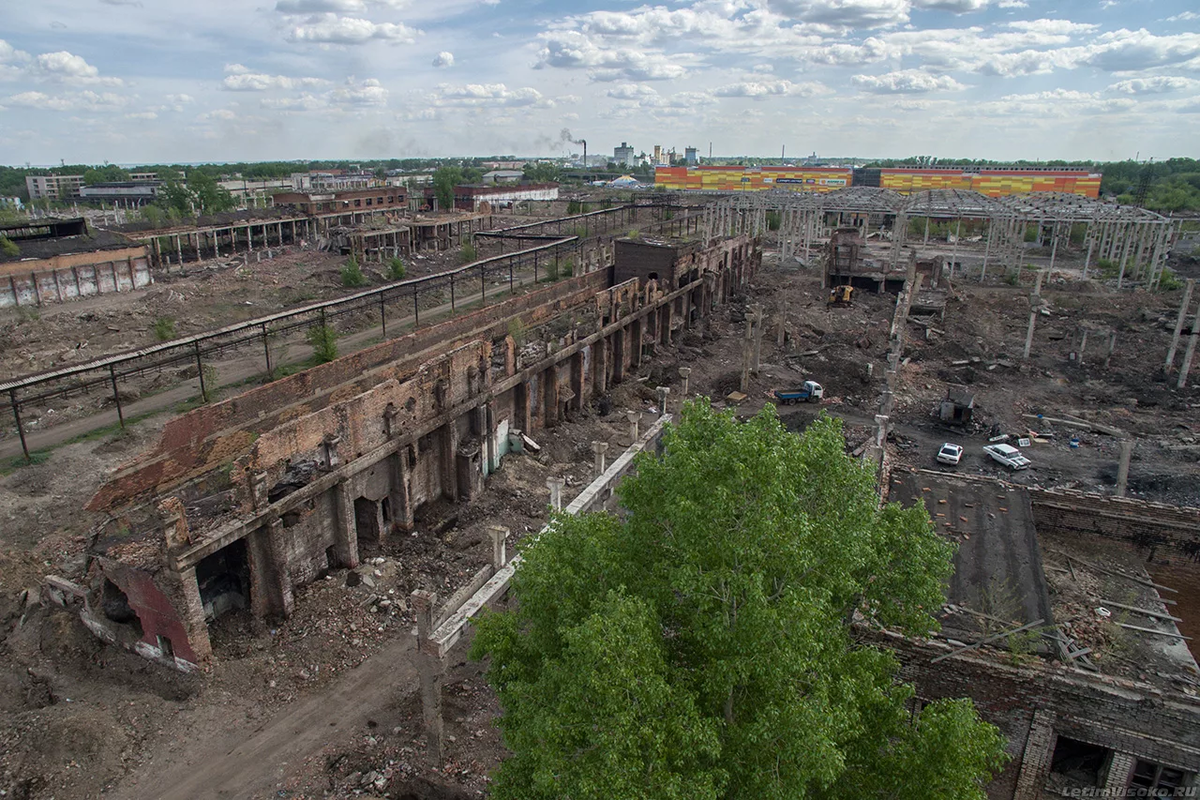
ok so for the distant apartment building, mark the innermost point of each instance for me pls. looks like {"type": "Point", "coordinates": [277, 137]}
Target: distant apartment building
{"type": "Point", "coordinates": [378, 198]}
{"type": "Point", "coordinates": [624, 155]}
{"type": "Point", "coordinates": [70, 187]}
{"type": "Point", "coordinates": [332, 180]}
{"type": "Point", "coordinates": [124, 193]}
{"type": "Point", "coordinates": [53, 187]}
{"type": "Point", "coordinates": [691, 156]}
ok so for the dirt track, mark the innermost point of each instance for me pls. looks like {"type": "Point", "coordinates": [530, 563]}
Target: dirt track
{"type": "Point", "coordinates": [252, 761]}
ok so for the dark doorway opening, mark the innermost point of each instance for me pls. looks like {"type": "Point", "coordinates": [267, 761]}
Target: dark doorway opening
{"type": "Point", "coordinates": [224, 580]}
{"type": "Point", "coordinates": [115, 605]}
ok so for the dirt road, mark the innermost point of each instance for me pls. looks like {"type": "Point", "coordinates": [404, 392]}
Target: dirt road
{"type": "Point", "coordinates": [250, 762]}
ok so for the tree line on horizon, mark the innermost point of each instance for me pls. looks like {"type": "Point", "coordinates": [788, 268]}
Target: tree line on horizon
{"type": "Point", "coordinates": [1169, 186]}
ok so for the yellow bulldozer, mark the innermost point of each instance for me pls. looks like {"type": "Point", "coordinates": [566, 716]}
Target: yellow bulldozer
{"type": "Point", "coordinates": [841, 295]}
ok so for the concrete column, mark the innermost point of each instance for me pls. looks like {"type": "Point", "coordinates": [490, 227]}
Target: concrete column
{"type": "Point", "coordinates": [499, 535]}
{"type": "Point", "coordinates": [431, 669]}
{"type": "Point", "coordinates": [757, 317]}
{"type": "Point", "coordinates": [600, 449]}
{"type": "Point", "coordinates": [664, 393]}
{"type": "Point", "coordinates": [399, 499]}
{"type": "Point", "coordinates": [270, 581]}
{"type": "Point", "coordinates": [550, 404]}
{"type": "Point", "coordinates": [1082, 347]}
{"type": "Point", "coordinates": [600, 354]}
{"type": "Point", "coordinates": [1112, 345]}
{"type": "Point", "coordinates": [193, 618]}
{"type": "Point", "coordinates": [1123, 467]}
{"type": "Point", "coordinates": [1183, 309]}
{"type": "Point", "coordinates": [1186, 366]}
{"type": "Point", "coordinates": [555, 485]}
{"type": "Point", "coordinates": [634, 417]}
{"type": "Point", "coordinates": [345, 546]}
{"type": "Point", "coordinates": [1034, 306]}
{"type": "Point", "coordinates": [684, 373]}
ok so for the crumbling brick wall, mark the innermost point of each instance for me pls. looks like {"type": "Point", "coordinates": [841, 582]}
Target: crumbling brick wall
{"type": "Point", "coordinates": [1139, 522]}
{"type": "Point", "coordinates": [1120, 715]}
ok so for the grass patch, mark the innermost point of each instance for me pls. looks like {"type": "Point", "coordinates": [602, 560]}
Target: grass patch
{"type": "Point", "coordinates": [164, 329]}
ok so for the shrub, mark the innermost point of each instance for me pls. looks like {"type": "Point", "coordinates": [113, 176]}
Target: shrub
{"type": "Point", "coordinates": [469, 253]}
{"type": "Point", "coordinates": [516, 329]}
{"type": "Point", "coordinates": [164, 329]}
{"type": "Point", "coordinates": [352, 274]}
{"type": "Point", "coordinates": [568, 269]}
{"type": "Point", "coordinates": [573, 207]}
{"type": "Point", "coordinates": [396, 269]}
{"type": "Point", "coordinates": [774, 220]}
{"type": "Point", "coordinates": [9, 248]}
{"type": "Point", "coordinates": [324, 343]}
{"type": "Point", "coordinates": [1169, 281]}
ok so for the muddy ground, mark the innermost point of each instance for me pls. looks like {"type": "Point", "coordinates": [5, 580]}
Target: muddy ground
{"type": "Point", "coordinates": [81, 719]}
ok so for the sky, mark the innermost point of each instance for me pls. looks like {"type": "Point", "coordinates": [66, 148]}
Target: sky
{"type": "Point", "coordinates": [151, 81]}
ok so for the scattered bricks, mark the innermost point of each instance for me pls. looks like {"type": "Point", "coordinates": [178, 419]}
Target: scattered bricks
{"type": "Point", "coordinates": [962, 519]}
{"type": "Point", "coordinates": [941, 502]}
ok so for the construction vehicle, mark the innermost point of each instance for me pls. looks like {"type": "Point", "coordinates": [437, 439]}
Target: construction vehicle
{"type": "Point", "coordinates": [841, 295]}
{"type": "Point", "coordinates": [811, 393]}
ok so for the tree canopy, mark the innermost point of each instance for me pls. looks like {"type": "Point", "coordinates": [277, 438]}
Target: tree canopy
{"type": "Point", "coordinates": [541, 172]}
{"type": "Point", "coordinates": [700, 646]}
{"type": "Point", "coordinates": [109, 173]}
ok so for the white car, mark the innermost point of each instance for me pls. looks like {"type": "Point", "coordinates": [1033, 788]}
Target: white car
{"type": "Point", "coordinates": [1007, 455]}
{"type": "Point", "coordinates": [950, 454]}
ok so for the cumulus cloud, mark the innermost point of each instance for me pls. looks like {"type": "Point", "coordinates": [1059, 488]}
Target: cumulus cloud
{"type": "Point", "coordinates": [1126, 51]}
{"type": "Point", "coordinates": [760, 90]}
{"type": "Point", "coordinates": [241, 79]}
{"type": "Point", "coordinates": [906, 81]}
{"type": "Point", "coordinates": [305, 102]}
{"type": "Point", "coordinates": [444, 59]}
{"type": "Point", "coordinates": [77, 101]}
{"type": "Point", "coordinates": [319, 6]}
{"type": "Point", "coordinates": [12, 61]}
{"type": "Point", "coordinates": [65, 67]}
{"type": "Point", "coordinates": [474, 95]}
{"type": "Point", "coordinates": [332, 29]}
{"type": "Point", "coordinates": [1156, 85]}
{"type": "Point", "coordinates": [1052, 27]}
{"type": "Point", "coordinates": [366, 93]}
{"type": "Point", "coordinates": [571, 49]}
{"type": "Point", "coordinates": [845, 13]}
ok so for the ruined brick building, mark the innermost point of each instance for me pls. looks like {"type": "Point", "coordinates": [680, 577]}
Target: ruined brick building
{"type": "Point", "coordinates": [243, 500]}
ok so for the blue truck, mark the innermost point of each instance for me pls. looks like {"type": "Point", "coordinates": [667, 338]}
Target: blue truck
{"type": "Point", "coordinates": [811, 393]}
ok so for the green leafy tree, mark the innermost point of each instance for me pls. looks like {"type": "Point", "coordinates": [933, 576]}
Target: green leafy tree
{"type": "Point", "coordinates": [352, 275]}
{"type": "Point", "coordinates": [175, 197]}
{"type": "Point", "coordinates": [9, 248]}
{"type": "Point", "coordinates": [701, 645]}
{"type": "Point", "coordinates": [323, 340]}
{"type": "Point", "coordinates": [208, 195]}
{"type": "Point", "coordinates": [109, 173]}
{"type": "Point", "coordinates": [396, 269]}
{"type": "Point", "coordinates": [444, 181]}
{"type": "Point", "coordinates": [542, 172]}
